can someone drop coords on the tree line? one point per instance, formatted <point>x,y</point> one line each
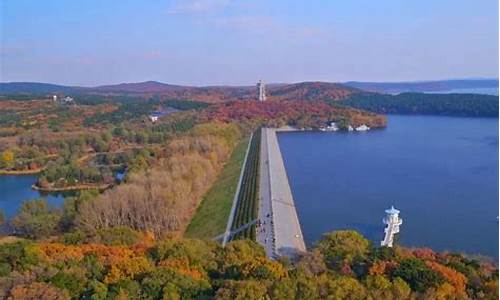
<point>463,105</point>
<point>132,265</point>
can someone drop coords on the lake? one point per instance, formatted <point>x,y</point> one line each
<point>485,91</point>
<point>15,189</point>
<point>441,172</point>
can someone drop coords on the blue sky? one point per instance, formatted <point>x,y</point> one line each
<point>206,42</point>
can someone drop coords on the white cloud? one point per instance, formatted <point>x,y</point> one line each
<point>198,6</point>
<point>251,23</point>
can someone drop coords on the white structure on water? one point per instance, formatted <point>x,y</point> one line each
<point>332,126</point>
<point>362,128</point>
<point>261,89</point>
<point>393,221</point>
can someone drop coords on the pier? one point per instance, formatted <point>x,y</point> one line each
<point>280,231</point>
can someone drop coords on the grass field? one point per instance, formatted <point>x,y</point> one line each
<point>211,216</point>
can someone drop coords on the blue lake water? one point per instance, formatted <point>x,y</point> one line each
<point>485,91</point>
<point>15,189</point>
<point>441,172</point>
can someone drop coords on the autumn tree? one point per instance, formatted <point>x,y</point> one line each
<point>7,159</point>
<point>241,290</point>
<point>342,247</point>
<point>37,291</point>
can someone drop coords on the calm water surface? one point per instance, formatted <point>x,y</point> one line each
<point>485,91</point>
<point>441,172</point>
<point>15,189</point>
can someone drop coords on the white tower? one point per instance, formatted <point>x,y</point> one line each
<point>261,88</point>
<point>393,221</point>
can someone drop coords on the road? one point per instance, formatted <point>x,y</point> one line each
<point>280,231</point>
<point>265,232</point>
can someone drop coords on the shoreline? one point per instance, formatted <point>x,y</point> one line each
<point>21,172</point>
<point>81,187</point>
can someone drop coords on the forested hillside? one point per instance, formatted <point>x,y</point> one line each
<point>465,105</point>
<point>208,94</point>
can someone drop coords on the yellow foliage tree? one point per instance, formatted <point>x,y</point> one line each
<point>7,159</point>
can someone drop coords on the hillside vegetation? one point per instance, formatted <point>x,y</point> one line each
<point>127,242</point>
<point>343,265</point>
<point>209,94</point>
<point>463,105</point>
<point>302,114</point>
<point>162,198</point>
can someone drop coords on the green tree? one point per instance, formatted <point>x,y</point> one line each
<point>283,289</point>
<point>343,288</point>
<point>343,247</point>
<point>96,291</point>
<point>242,290</point>
<point>18,256</point>
<point>36,219</point>
<point>417,274</point>
<point>73,282</point>
<point>400,289</point>
<point>120,235</point>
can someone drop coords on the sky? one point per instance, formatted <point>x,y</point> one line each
<point>237,42</point>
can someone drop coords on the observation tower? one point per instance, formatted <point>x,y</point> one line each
<point>392,222</point>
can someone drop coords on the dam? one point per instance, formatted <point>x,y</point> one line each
<point>279,231</point>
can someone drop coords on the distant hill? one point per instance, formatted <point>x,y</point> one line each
<point>139,87</point>
<point>423,86</point>
<point>211,94</point>
<point>302,91</point>
<point>311,91</point>
<point>34,88</point>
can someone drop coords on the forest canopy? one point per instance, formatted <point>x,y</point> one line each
<point>343,265</point>
<point>463,105</point>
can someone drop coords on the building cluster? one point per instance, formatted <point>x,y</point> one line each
<point>154,116</point>
<point>60,100</point>
<point>333,126</point>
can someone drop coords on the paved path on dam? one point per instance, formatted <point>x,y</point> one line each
<point>280,231</point>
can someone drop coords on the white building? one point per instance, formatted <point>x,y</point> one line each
<point>362,128</point>
<point>54,98</point>
<point>392,221</point>
<point>332,127</point>
<point>67,100</point>
<point>261,90</point>
<point>154,116</point>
